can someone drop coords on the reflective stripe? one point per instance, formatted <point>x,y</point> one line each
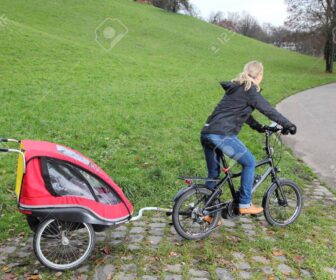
<point>71,205</point>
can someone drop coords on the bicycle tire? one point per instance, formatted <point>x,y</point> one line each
<point>176,216</point>
<point>43,231</point>
<point>296,202</point>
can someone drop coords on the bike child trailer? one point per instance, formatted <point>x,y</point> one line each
<point>66,198</point>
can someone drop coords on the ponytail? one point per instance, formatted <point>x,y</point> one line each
<point>250,72</point>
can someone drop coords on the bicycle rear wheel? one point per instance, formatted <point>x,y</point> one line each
<point>189,213</point>
<point>282,205</point>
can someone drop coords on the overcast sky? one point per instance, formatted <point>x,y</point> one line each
<point>272,11</point>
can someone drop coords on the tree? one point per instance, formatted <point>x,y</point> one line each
<point>216,17</point>
<point>174,5</point>
<point>248,25</point>
<point>315,16</point>
<point>301,40</point>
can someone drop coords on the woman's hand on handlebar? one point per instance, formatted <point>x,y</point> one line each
<point>289,129</point>
<point>263,128</point>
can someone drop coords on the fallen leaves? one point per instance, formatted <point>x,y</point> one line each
<point>298,258</point>
<point>277,253</point>
<point>99,261</point>
<point>174,254</point>
<point>21,234</point>
<point>34,277</point>
<point>233,238</point>
<point>223,261</point>
<point>59,274</point>
<point>270,232</point>
<point>106,250</point>
<point>153,258</point>
<point>6,269</point>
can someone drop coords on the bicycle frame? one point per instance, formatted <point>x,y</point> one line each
<point>229,176</point>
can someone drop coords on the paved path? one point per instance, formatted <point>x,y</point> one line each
<point>314,113</point>
<point>134,251</point>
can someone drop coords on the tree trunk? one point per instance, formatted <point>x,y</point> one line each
<point>175,5</point>
<point>329,53</point>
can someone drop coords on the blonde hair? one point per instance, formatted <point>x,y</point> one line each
<point>250,72</point>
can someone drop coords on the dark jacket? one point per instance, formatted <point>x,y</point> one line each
<point>236,108</point>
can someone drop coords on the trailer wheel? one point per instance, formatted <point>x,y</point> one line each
<point>61,245</point>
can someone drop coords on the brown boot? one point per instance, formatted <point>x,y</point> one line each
<point>254,210</point>
<point>209,219</point>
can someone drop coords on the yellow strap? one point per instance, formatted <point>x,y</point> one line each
<point>19,175</point>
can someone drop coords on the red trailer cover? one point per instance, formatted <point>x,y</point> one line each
<point>34,193</point>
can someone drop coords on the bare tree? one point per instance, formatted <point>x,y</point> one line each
<point>248,25</point>
<point>216,17</point>
<point>302,40</point>
<point>229,22</point>
<point>244,24</point>
<point>173,5</point>
<point>315,16</point>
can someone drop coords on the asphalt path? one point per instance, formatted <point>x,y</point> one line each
<point>314,113</point>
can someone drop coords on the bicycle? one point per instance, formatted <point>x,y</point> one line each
<point>282,201</point>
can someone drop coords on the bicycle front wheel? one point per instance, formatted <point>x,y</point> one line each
<point>190,217</point>
<point>283,203</point>
<point>61,245</point>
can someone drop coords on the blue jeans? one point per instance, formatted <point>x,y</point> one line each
<point>213,146</point>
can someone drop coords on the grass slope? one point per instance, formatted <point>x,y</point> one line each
<point>136,110</point>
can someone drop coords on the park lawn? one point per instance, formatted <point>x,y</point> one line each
<point>137,109</point>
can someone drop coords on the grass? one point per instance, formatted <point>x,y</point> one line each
<point>137,109</point>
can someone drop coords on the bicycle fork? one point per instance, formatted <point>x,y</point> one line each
<point>280,194</point>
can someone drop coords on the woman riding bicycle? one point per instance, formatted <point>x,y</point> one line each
<point>219,134</point>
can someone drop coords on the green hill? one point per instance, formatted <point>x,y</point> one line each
<point>137,109</point>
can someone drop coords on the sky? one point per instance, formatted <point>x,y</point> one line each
<point>265,11</point>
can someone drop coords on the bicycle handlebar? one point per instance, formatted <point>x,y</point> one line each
<point>9,140</point>
<point>273,128</point>
<point>10,150</point>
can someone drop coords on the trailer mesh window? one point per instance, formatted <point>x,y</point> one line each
<point>103,192</point>
<point>65,179</point>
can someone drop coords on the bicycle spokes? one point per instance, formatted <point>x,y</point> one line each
<point>283,204</point>
<point>191,214</point>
